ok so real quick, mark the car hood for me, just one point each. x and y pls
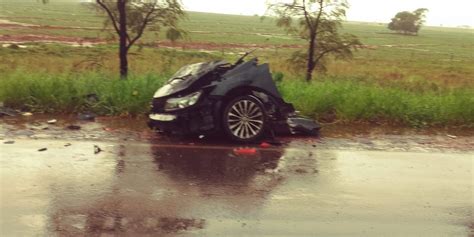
(186, 77)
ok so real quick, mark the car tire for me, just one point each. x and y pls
(244, 119)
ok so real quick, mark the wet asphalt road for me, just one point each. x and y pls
(149, 188)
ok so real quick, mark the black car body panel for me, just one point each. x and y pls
(217, 82)
(248, 74)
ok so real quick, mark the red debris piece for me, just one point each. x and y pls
(245, 151)
(265, 145)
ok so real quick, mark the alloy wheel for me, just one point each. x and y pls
(245, 119)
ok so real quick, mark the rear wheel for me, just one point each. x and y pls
(244, 119)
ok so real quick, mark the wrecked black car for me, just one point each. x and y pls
(240, 100)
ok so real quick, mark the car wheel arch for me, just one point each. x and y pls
(241, 91)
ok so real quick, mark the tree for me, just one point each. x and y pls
(408, 22)
(130, 18)
(318, 22)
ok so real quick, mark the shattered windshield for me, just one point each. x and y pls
(189, 70)
(186, 76)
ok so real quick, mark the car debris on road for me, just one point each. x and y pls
(73, 127)
(86, 116)
(7, 111)
(97, 149)
(245, 151)
(52, 121)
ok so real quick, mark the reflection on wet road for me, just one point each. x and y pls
(158, 189)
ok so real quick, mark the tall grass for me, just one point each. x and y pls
(348, 99)
(66, 93)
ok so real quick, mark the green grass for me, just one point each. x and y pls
(345, 98)
(350, 100)
(67, 93)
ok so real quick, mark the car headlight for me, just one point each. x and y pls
(182, 102)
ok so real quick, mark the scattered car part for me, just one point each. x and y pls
(73, 127)
(86, 116)
(52, 121)
(241, 100)
(97, 149)
(7, 112)
(303, 125)
(245, 151)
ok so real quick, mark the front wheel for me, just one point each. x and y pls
(244, 119)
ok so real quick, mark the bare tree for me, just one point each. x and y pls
(318, 22)
(130, 18)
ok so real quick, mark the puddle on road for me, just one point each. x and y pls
(142, 189)
(215, 165)
(150, 187)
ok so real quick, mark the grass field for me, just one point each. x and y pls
(431, 74)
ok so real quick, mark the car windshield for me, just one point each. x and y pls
(188, 70)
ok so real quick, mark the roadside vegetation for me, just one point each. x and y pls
(328, 99)
(416, 81)
(350, 99)
(69, 93)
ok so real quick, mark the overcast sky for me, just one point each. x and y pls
(447, 13)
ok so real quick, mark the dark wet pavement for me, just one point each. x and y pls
(144, 185)
(335, 136)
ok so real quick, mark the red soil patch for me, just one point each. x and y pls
(47, 39)
(7, 24)
(17, 26)
(91, 41)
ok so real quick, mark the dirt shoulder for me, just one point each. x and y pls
(33, 38)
